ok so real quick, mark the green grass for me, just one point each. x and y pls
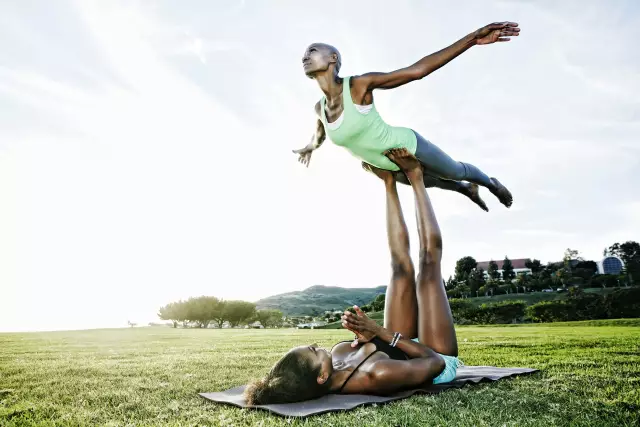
(151, 376)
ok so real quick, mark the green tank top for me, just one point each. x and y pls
(367, 136)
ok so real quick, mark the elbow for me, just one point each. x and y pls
(420, 72)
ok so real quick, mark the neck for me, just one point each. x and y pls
(338, 378)
(330, 84)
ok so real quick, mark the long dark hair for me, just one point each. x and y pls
(292, 379)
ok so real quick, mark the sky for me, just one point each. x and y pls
(145, 146)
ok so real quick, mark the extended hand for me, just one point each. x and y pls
(364, 328)
(304, 155)
(497, 32)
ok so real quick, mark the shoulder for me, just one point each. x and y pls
(360, 82)
(342, 346)
(318, 107)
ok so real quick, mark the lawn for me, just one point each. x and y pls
(151, 376)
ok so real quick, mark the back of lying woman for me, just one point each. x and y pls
(417, 344)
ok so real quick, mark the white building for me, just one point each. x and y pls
(519, 267)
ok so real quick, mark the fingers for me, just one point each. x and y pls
(350, 321)
(501, 25)
(503, 39)
(358, 311)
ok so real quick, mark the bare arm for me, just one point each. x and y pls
(304, 153)
(387, 376)
(361, 323)
(498, 31)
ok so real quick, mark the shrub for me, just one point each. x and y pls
(548, 311)
(501, 312)
(623, 302)
(463, 311)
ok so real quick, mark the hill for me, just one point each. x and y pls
(316, 300)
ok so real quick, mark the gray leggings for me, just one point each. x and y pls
(438, 164)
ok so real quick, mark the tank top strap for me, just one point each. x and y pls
(355, 370)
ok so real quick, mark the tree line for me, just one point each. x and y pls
(573, 270)
(205, 310)
(579, 305)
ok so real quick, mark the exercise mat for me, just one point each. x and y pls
(343, 402)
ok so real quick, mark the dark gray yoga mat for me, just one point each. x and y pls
(343, 402)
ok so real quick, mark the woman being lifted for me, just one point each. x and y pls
(347, 114)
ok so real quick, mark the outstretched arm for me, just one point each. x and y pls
(496, 32)
(304, 154)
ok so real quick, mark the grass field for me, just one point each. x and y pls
(151, 376)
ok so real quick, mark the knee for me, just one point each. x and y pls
(402, 267)
(460, 172)
(430, 258)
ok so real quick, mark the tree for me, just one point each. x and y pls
(174, 311)
(629, 253)
(450, 283)
(507, 271)
(492, 271)
(238, 312)
(271, 318)
(202, 310)
(220, 313)
(464, 266)
(378, 303)
(169, 312)
(565, 273)
(585, 270)
(476, 280)
(535, 266)
(522, 281)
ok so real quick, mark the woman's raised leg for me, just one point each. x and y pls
(435, 323)
(440, 164)
(400, 308)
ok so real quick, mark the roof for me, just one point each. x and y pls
(517, 263)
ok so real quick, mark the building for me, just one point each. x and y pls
(519, 266)
(610, 265)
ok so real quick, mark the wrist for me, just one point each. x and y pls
(384, 335)
(472, 39)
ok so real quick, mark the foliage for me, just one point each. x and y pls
(464, 266)
(269, 318)
(464, 312)
(476, 280)
(623, 303)
(507, 271)
(629, 253)
(238, 312)
(535, 266)
(548, 311)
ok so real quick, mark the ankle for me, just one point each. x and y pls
(414, 174)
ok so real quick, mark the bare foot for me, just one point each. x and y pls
(474, 195)
(405, 160)
(383, 174)
(501, 192)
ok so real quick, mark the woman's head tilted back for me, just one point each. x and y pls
(302, 374)
(320, 57)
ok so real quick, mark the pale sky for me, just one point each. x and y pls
(145, 146)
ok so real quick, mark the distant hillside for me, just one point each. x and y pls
(318, 299)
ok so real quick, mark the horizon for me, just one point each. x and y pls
(145, 149)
